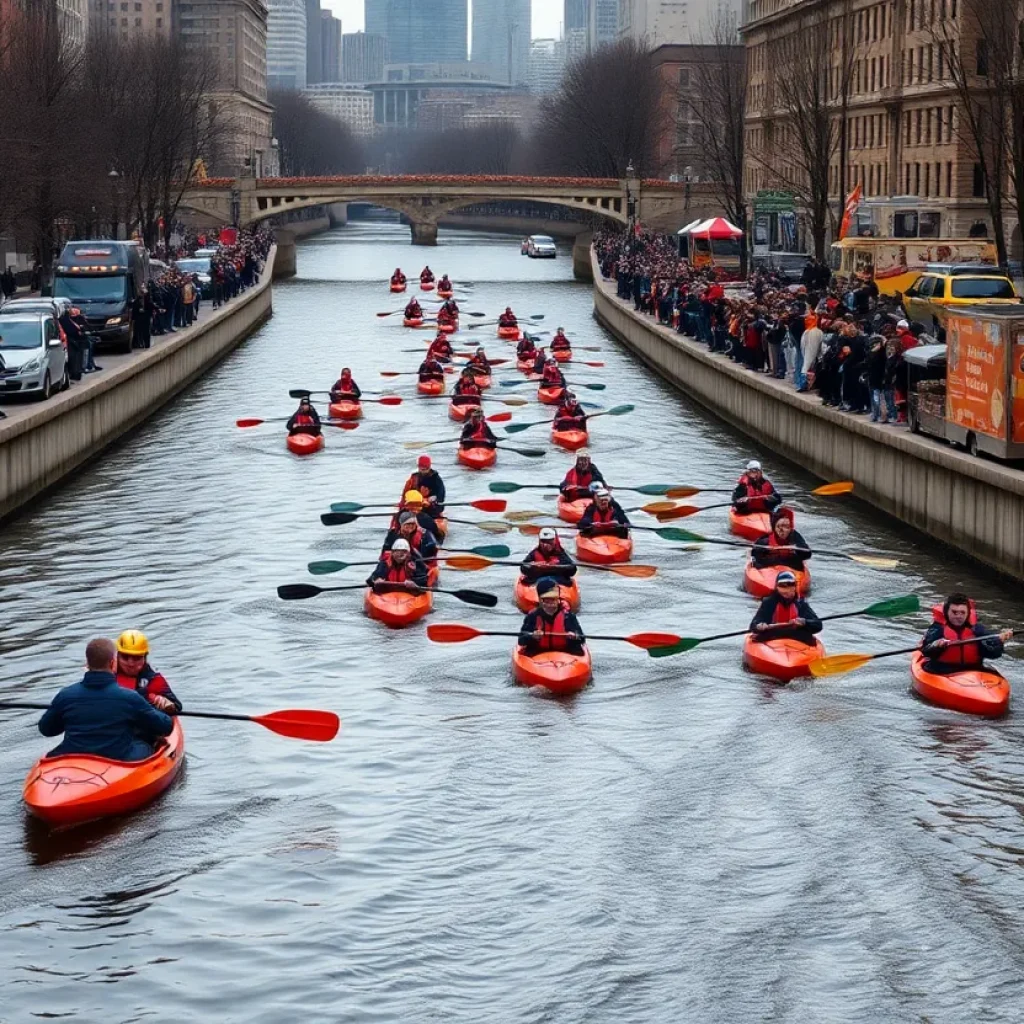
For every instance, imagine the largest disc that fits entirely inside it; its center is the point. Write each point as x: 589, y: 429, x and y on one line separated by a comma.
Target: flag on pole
x: 852, y: 202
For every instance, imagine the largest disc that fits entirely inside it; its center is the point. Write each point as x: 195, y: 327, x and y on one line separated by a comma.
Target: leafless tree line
x: 311, y: 142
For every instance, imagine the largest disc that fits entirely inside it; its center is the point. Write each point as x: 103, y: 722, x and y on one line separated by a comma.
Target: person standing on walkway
x: 810, y: 346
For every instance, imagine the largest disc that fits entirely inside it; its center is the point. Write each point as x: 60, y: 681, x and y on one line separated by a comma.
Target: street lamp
x: 112, y: 175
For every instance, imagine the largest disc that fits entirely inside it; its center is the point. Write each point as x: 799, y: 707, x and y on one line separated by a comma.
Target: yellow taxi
x: 943, y: 287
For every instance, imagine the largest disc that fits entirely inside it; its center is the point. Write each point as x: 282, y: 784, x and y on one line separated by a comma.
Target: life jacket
x: 478, y: 433
x: 757, y: 494
x: 537, y: 557
x: 526, y: 349
x: 143, y: 681
x: 607, y: 516
x: 439, y: 351
x: 431, y: 369
x: 574, y: 478
x: 785, y: 612
x: 444, y: 316
x: 552, y: 376
x: 560, y: 343
x: 557, y: 625
x: 507, y: 320
x: 466, y: 387
x: 413, y: 312
x: 968, y: 654
x: 398, y: 573
x: 570, y: 412
x: 479, y: 366
x: 303, y: 419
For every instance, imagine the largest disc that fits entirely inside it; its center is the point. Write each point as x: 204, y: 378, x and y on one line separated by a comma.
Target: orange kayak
x: 975, y: 692
x: 570, y: 440
x: 761, y: 582
x: 397, y: 609
x: 441, y: 531
x: 752, y: 526
x: 572, y: 511
x: 557, y: 671
x: 427, y: 286
x: 524, y: 365
x: 460, y: 412
x: 563, y: 355
x: 448, y: 328
x: 304, y: 444
x: 397, y: 287
x: 509, y: 333
x: 483, y: 381
x: 526, y: 594
x: 444, y: 293
x: 430, y: 387
x: 783, y: 659
x: 346, y: 409
x: 478, y: 458
x: 550, y: 395
x: 76, y: 788
x: 603, y: 549
x: 413, y: 322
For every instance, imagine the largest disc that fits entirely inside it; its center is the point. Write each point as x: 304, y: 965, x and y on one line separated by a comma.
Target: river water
x: 682, y: 842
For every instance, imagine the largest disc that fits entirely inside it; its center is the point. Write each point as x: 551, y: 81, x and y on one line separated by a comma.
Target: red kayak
x: 572, y: 511
x: 448, y: 328
x: 761, y: 582
x: 397, y: 609
x: 509, y: 333
x: 397, y: 286
x: 526, y: 594
x: 76, y: 788
x: 416, y: 321
x: 603, y: 549
x: 444, y: 293
x: 427, y: 286
x: 563, y: 355
x: 346, y: 409
x: 551, y: 395
x: 483, y: 380
x: 752, y: 526
x: 304, y: 444
x: 525, y: 366
x: 570, y: 440
x: 430, y: 387
x: 460, y: 412
x: 974, y: 691
x: 477, y: 458
x: 783, y: 659
x: 557, y: 671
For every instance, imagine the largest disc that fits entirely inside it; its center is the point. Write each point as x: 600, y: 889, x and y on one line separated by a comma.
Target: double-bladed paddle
x: 526, y: 515
x: 454, y: 633
x: 344, y: 518
x: 656, y: 490
x: 481, y: 505
x: 304, y: 591
x: 568, y: 384
x: 619, y: 410
x: 325, y: 568
x: 840, y: 664
x: 491, y: 323
x: 468, y: 563
x: 826, y: 491
x: 303, y: 393
x: 340, y: 424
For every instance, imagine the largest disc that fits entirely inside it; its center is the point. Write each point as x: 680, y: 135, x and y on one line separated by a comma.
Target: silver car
x: 33, y: 359
x: 541, y: 247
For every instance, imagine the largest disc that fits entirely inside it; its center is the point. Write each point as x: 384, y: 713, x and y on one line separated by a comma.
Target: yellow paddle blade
x: 525, y: 517
x: 838, y: 664
x: 875, y: 562
x: 415, y: 445
x: 831, y: 490
x: 635, y: 572
x: 658, y: 506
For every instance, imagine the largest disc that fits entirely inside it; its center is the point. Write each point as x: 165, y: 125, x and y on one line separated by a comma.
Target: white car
x: 33, y: 359
x: 539, y: 247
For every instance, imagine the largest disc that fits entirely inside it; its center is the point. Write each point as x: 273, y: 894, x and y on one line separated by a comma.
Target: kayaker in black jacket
x: 754, y: 491
x: 604, y: 516
x: 398, y: 569
x: 428, y: 482
x: 783, y: 614
x: 305, y: 420
x: 548, y: 558
x: 345, y: 387
x: 955, y: 620
x: 551, y: 626
x: 783, y: 546
x: 577, y: 482
x: 476, y: 433
x: 421, y: 538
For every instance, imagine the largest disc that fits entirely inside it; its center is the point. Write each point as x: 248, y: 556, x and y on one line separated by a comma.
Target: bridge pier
x: 423, y: 232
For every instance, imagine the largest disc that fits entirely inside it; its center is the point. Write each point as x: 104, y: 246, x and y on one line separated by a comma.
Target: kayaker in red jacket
x: 578, y: 480
x: 479, y: 363
x: 430, y: 369
x: 452, y: 307
x: 476, y: 433
x: 570, y: 414
x: 466, y: 390
x: 560, y: 343
x: 428, y: 482
x: 957, y: 619
x: 398, y: 569
x: 551, y: 626
x: 305, y: 420
x: 134, y: 672
x: 754, y: 491
x: 398, y: 277
x: 552, y: 376
x: 426, y: 275
x: 413, y: 310
x: 444, y: 284
x: 508, y: 318
x: 419, y: 535
x: 444, y: 318
x: 440, y: 349
x: 604, y: 516
x: 526, y: 349
x: 783, y: 546
x: 345, y: 387
x: 784, y: 614
x: 548, y: 558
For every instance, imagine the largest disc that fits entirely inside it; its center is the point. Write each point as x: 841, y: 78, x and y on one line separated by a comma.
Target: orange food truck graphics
x: 976, y: 376
x: 1017, y: 379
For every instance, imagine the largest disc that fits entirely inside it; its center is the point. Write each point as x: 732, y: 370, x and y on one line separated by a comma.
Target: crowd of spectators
x: 838, y: 340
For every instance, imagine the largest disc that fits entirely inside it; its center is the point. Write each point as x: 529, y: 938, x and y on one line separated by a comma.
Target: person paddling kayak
x: 754, y: 491
x: 305, y: 420
x: 547, y: 554
x: 604, y: 516
x: 134, y: 672
x: 578, y: 480
x: 452, y: 307
x: 540, y: 360
x: 526, y: 349
x: 570, y: 414
x: 430, y: 369
x: 783, y: 546
x: 508, y: 318
x: 398, y: 569
x: 426, y: 275
x: 413, y: 310
x: 97, y: 716
x: 784, y: 614
x: 560, y: 343
x: 440, y: 349
x: 476, y: 433
x: 957, y: 619
x: 445, y: 317
x: 398, y: 277
x: 419, y: 535
x: 479, y: 363
x: 551, y: 375
x: 445, y: 284
x: 542, y: 627
x: 466, y: 390
x: 428, y: 482
x: 345, y: 387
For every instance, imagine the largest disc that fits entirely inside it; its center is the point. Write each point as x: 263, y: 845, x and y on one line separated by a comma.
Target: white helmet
x: 401, y: 545
x: 753, y: 464
x: 547, y: 534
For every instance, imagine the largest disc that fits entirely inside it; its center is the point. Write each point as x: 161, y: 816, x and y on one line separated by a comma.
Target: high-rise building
x: 74, y: 18
x: 547, y: 63
x: 363, y: 56
x: 602, y: 23
x: 501, y: 38
x: 146, y: 18
x: 330, y: 47
x: 576, y: 15
x: 420, y: 29
x: 672, y: 22
x: 314, y: 70
x: 286, y: 44
x: 348, y: 104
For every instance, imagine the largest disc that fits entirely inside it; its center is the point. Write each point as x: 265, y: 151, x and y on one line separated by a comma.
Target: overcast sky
x: 547, y: 16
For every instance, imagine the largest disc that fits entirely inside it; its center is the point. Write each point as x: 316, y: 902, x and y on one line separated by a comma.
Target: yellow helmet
x: 414, y: 498
x: 131, y: 641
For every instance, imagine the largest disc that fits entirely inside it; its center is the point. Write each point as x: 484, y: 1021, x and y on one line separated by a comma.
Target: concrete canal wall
x: 975, y: 505
x: 41, y: 444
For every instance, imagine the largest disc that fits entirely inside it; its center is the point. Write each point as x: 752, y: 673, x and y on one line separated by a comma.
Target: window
x: 983, y: 288
x: 684, y: 78
x: 978, y: 189
x: 939, y: 289
x: 981, y: 56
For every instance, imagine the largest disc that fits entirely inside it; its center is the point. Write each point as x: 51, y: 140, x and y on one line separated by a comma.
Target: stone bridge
x: 425, y: 199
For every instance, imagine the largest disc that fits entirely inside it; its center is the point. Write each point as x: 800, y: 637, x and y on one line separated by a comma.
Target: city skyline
x: 546, y: 15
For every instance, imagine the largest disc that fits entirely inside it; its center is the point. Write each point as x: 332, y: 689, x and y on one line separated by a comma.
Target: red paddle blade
x: 499, y: 417
x: 319, y: 726
x: 451, y: 634
x: 649, y: 640
x: 248, y: 423
x: 593, y: 364
x: 490, y: 504
x: 390, y: 373
x: 391, y: 400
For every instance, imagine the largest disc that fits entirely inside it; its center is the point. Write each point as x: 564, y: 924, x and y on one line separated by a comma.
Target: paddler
x: 754, y: 491
x: 428, y: 482
x: 526, y: 349
x: 413, y: 309
x: 551, y: 375
x: 134, y: 672
x: 419, y: 537
x: 604, y: 516
x: 466, y: 390
x: 551, y: 626
x: 426, y: 275
x: 479, y: 363
x: 430, y: 369
x: 413, y: 501
x: 444, y: 285
x: 305, y: 420
x: 578, y: 480
x: 398, y: 569
x: 783, y: 546
x: 570, y: 414
x: 452, y: 306
x: 560, y: 343
x: 957, y: 619
x: 508, y: 318
x: 445, y: 317
x: 398, y: 277
x: 440, y: 349
x: 540, y: 360
x: 547, y: 558
x: 476, y: 433
x: 784, y: 614
x: 99, y: 717
x: 345, y: 387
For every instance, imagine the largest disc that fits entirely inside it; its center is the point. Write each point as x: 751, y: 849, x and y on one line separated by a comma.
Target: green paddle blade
x: 347, y: 506
x: 504, y: 487
x: 516, y: 428
x: 590, y: 387
x: 894, y: 606
x: 673, y: 533
x: 492, y: 551
x: 620, y: 410
x: 325, y: 568
x: 650, y: 489
x: 686, y: 644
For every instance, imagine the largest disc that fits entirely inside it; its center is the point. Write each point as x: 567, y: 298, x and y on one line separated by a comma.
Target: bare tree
x: 312, y: 142
x: 716, y: 102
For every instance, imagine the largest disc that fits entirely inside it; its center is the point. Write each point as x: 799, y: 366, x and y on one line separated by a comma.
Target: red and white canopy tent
x: 717, y: 228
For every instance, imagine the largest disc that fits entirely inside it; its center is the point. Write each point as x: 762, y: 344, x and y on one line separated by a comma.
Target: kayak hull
x: 604, y: 549
x: 483, y: 381
x: 397, y: 610
x: 430, y: 387
x: 460, y: 412
x: 441, y: 530
x: 427, y: 286
x: 550, y: 395
x: 761, y: 582
x: 412, y: 322
x: 572, y: 511
x: 444, y: 293
x: 77, y: 788
x: 570, y: 440
x: 509, y: 333
x: 561, y: 673
x: 478, y: 458
x: 448, y: 328
x: 783, y: 659
x: 752, y: 526
x: 397, y: 288
x: 563, y: 355
x: 981, y: 692
x: 345, y: 410
x: 526, y: 595
x: 304, y: 444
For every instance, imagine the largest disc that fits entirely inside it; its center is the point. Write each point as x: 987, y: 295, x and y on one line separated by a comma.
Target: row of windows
x: 870, y: 75
x: 869, y: 131
x: 112, y: 22
x: 923, y: 127
x: 872, y: 24
x: 922, y: 13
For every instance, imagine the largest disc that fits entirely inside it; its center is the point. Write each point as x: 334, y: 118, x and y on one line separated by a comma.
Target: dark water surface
x: 682, y: 842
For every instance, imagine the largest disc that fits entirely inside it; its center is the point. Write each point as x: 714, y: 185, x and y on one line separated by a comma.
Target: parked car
x: 205, y: 253
x: 541, y: 247
x: 944, y: 288
x: 200, y: 266
x: 34, y: 359
x: 39, y: 305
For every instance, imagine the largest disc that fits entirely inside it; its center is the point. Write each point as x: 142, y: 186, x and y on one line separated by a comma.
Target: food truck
x: 972, y: 394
